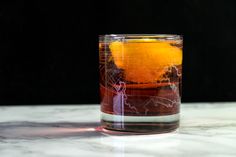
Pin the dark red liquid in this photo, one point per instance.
(153, 100)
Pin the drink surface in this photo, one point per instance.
(140, 77)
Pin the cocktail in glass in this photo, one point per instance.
(140, 82)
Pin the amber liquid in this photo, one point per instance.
(126, 98)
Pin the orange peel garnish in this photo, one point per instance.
(145, 61)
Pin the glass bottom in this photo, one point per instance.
(140, 124)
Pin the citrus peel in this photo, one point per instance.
(145, 61)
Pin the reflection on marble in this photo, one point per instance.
(207, 130)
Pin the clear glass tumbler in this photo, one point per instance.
(140, 82)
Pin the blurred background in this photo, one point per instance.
(49, 50)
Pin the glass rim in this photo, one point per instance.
(174, 36)
(143, 36)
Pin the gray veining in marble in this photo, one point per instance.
(206, 130)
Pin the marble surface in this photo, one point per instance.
(206, 130)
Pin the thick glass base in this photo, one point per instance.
(140, 124)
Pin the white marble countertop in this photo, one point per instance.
(206, 130)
